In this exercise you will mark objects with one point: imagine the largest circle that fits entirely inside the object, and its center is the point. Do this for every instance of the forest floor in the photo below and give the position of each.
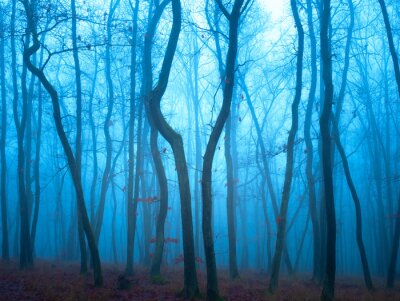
(61, 281)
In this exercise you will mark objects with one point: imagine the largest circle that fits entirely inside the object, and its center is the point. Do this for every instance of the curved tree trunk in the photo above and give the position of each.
(162, 215)
(28, 52)
(281, 236)
(175, 140)
(206, 188)
(160, 171)
(230, 198)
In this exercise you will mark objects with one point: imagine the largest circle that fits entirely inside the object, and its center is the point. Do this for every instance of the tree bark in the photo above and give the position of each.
(206, 187)
(93, 184)
(175, 140)
(396, 236)
(360, 243)
(281, 235)
(312, 198)
(107, 124)
(328, 290)
(37, 158)
(132, 111)
(160, 171)
(28, 52)
(266, 171)
(230, 202)
(5, 254)
(78, 140)
(26, 260)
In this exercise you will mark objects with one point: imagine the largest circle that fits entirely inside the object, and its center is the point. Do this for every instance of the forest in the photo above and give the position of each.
(200, 150)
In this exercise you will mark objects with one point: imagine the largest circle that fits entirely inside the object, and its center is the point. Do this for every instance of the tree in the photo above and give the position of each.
(396, 236)
(312, 198)
(131, 211)
(160, 171)
(328, 290)
(280, 240)
(78, 141)
(28, 52)
(206, 187)
(26, 258)
(175, 140)
(350, 183)
(107, 124)
(38, 145)
(3, 176)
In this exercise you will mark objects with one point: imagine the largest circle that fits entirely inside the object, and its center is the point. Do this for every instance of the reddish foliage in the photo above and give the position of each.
(171, 240)
(179, 259)
(199, 260)
(148, 199)
(61, 281)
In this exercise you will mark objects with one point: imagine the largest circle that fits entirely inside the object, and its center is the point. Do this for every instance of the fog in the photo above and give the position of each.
(209, 138)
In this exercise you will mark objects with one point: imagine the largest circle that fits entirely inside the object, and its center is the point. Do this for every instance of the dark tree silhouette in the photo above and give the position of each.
(175, 140)
(131, 211)
(28, 52)
(328, 290)
(280, 240)
(5, 253)
(396, 236)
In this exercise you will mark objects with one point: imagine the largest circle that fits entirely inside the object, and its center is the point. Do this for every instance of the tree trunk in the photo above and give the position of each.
(266, 169)
(107, 124)
(281, 235)
(160, 171)
(26, 260)
(328, 289)
(93, 184)
(37, 161)
(163, 197)
(28, 52)
(78, 141)
(360, 243)
(312, 198)
(5, 254)
(230, 202)
(131, 208)
(206, 188)
(396, 237)
(175, 140)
